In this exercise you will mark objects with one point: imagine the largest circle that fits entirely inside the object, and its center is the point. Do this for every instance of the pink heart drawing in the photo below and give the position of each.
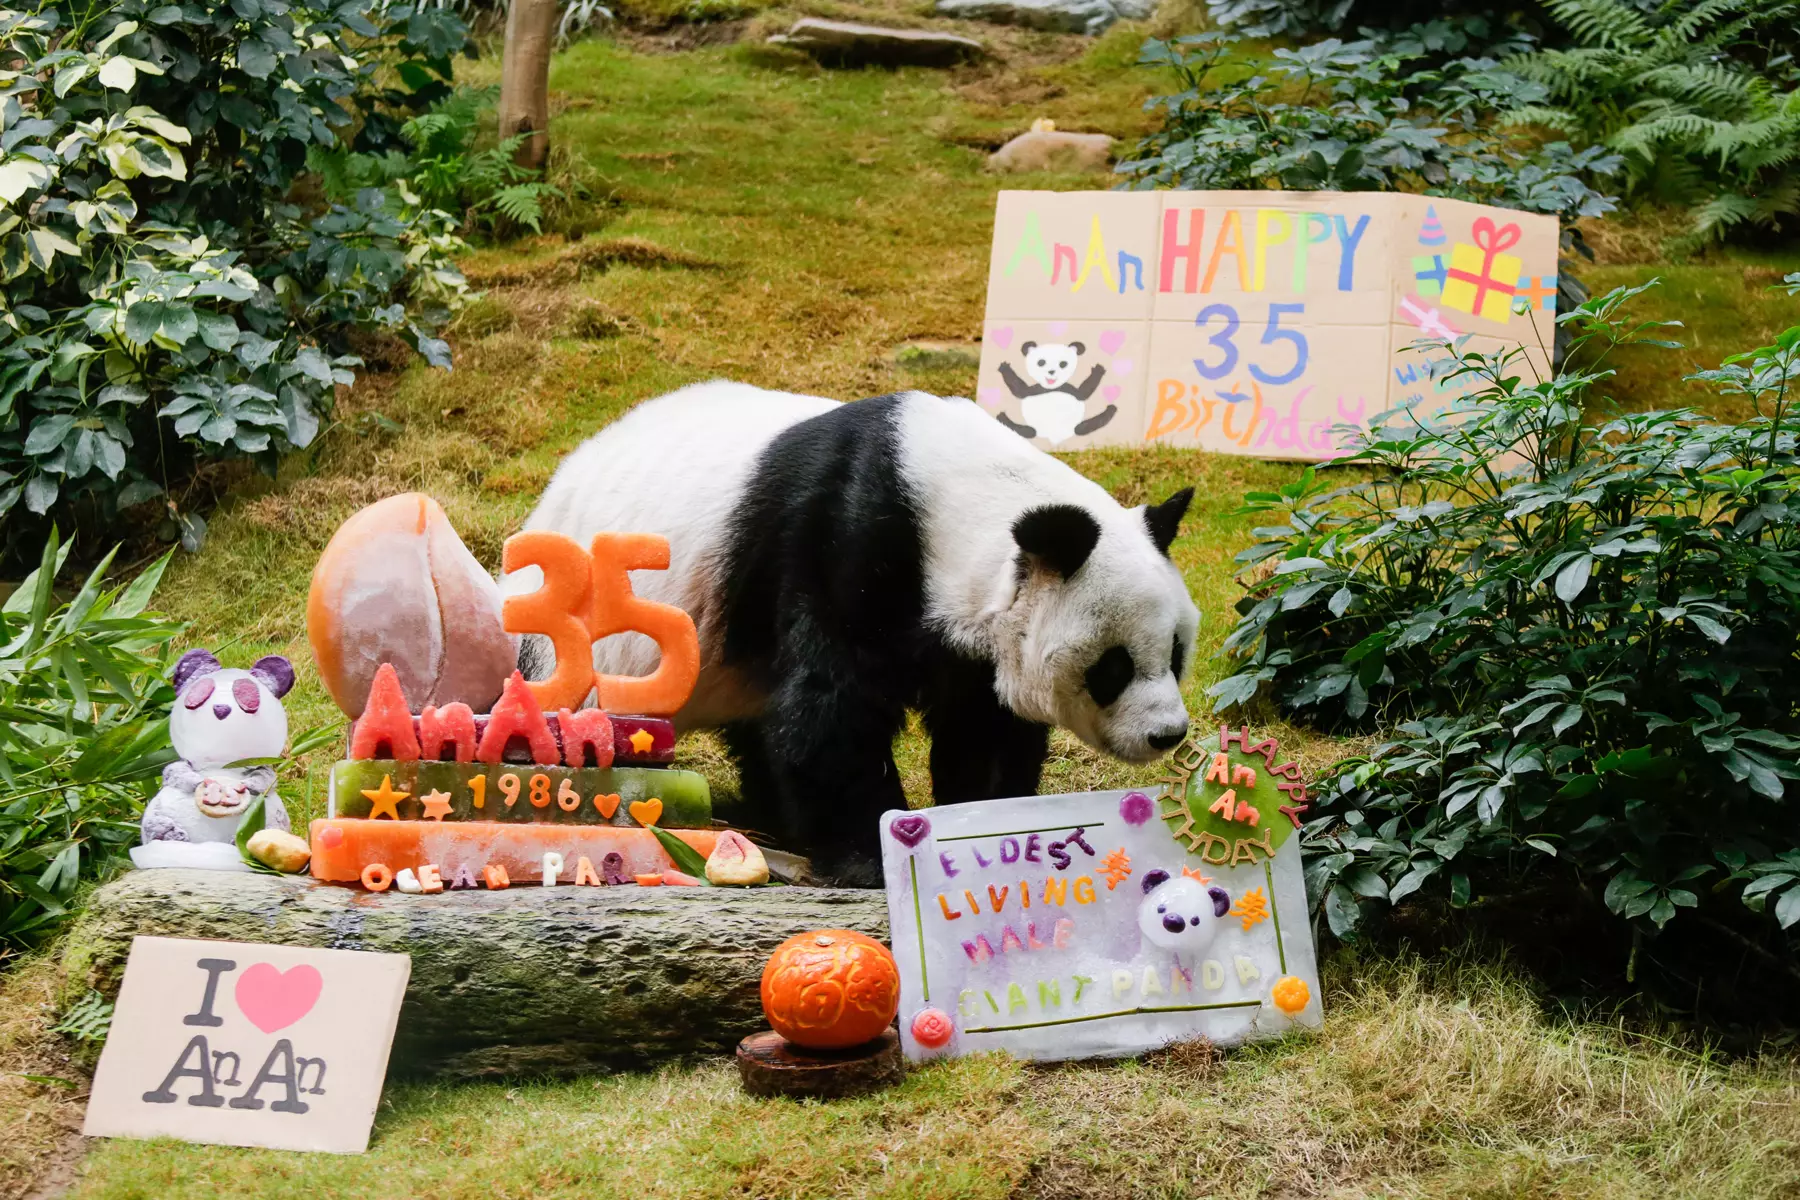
(1111, 340)
(1111, 392)
(1122, 366)
(1001, 337)
(909, 830)
(276, 999)
(1058, 328)
(990, 398)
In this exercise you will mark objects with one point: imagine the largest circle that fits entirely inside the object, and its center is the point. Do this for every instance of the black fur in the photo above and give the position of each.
(1060, 536)
(824, 608)
(1110, 675)
(1164, 520)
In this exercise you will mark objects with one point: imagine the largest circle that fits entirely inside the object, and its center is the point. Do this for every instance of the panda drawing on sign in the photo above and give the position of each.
(1053, 405)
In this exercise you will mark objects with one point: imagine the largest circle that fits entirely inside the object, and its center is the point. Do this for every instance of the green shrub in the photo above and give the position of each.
(83, 734)
(167, 295)
(1582, 637)
(1353, 116)
(443, 163)
(1700, 100)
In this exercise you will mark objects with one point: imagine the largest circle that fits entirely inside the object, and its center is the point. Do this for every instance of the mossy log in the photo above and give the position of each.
(522, 981)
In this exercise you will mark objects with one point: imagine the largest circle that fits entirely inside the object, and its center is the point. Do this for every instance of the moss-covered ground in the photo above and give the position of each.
(750, 215)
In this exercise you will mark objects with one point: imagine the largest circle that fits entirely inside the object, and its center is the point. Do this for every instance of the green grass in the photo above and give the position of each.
(755, 217)
(1441, 1080)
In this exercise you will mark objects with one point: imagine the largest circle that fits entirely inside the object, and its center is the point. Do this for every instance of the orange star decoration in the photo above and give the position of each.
(437, 804)
(641, 741)
(1252, 908)
(1116, 867)
(1196, 876)
(384, 798)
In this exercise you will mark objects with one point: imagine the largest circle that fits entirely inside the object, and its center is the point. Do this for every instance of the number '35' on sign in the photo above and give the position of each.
(1222, 324)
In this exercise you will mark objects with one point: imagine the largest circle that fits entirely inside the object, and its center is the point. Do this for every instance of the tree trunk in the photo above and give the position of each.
(530, 980)
(525, 77)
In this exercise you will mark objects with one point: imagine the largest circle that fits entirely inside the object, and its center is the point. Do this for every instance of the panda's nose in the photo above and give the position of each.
(221, 711)
(1168, 739)
(1174, 923)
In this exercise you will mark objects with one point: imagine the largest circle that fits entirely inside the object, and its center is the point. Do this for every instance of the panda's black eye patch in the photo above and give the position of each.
(1108, 677)
(1176, 658)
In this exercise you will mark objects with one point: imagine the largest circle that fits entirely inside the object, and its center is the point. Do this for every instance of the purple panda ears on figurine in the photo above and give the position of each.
(1153, 880)
(1221, 900)
(276, 673)
(192, 664)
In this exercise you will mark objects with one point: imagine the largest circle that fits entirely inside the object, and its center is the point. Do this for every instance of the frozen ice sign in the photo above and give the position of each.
(1107, 923)
(1246, 322)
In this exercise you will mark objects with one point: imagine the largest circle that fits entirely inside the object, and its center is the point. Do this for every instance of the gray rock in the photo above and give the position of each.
(1053, 150)
(523, 981)
(848, 44)
(1057, 16)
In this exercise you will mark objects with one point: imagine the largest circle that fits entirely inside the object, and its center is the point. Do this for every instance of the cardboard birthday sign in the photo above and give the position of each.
(1107, 923)
(1247, 322)
(242, 1044)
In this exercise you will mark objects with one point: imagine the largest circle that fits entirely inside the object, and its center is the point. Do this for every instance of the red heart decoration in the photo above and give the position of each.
(276, 999)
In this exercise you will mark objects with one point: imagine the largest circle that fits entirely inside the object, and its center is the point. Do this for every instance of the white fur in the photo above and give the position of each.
(677, 466)
(674, 466)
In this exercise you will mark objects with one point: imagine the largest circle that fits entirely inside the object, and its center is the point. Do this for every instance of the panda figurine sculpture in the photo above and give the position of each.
(1180, 913)
(845, 563)
(221, 716)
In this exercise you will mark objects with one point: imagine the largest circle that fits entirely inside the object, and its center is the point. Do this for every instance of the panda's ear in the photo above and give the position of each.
(1078, 348)
(194, 662)
(1026, 349)
(1164, 520)
(1221, 900)
(1153, 880)
(276, 672)
(1057, 536)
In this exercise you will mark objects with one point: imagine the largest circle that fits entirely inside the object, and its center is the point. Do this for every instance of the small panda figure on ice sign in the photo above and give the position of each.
(845, 563)
(1053, 405)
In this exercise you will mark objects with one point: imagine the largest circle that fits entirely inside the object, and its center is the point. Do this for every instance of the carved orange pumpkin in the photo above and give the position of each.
(830, 989)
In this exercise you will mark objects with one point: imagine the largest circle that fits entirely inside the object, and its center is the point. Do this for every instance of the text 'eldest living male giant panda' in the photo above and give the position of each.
(847, 562)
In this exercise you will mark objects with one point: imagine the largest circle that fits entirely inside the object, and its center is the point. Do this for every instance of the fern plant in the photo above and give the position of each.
(1701, 101)
(446, 170)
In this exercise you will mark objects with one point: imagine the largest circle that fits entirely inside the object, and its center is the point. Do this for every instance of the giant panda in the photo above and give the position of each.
(845, 563)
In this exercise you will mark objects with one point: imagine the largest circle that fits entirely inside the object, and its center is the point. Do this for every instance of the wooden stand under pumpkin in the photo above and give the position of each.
(831, 996)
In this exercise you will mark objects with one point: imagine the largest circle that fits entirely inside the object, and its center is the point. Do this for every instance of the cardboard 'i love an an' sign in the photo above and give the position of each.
(248, 1045)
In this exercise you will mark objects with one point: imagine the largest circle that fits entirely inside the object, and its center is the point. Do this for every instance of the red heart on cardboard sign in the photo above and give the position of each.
(276, 999)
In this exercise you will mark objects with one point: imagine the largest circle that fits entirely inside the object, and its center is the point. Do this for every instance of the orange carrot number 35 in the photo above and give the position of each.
(586, 596)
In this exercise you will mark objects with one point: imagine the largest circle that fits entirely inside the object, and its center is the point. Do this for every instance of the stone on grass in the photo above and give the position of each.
(1046, 148)
(849, 44)
(1056, 16)
(524, 981)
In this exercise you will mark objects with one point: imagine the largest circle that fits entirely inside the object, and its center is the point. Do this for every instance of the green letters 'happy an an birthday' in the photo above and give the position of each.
(1232, 801)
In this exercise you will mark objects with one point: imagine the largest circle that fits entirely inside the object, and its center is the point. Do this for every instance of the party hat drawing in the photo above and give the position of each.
(1432, 234)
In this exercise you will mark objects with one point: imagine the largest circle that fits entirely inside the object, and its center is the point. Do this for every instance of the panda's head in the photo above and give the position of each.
(1180, 914)
(1051, 364)
(224, 715)
(1093, 628)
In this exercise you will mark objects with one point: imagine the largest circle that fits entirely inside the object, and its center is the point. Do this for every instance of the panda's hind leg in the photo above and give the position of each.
(980, 749)
(829, 751)
(758, 805)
